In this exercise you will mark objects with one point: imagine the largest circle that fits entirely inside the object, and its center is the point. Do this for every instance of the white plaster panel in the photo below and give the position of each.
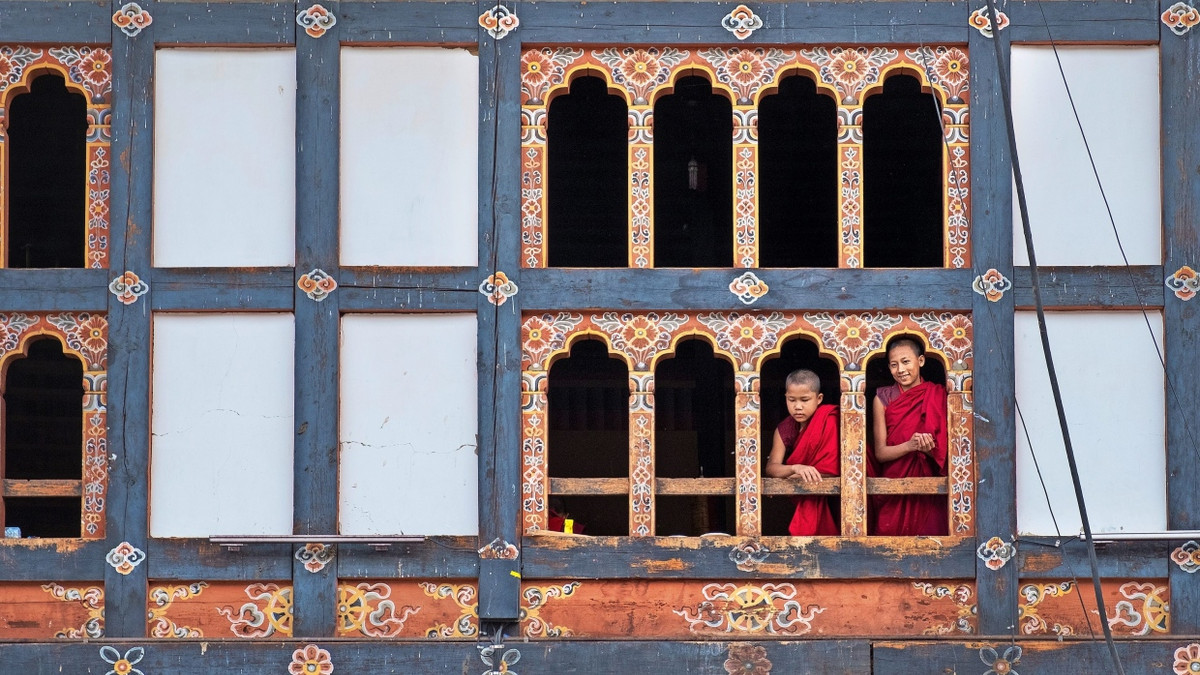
(222, 407)
(224, 157)
(1114, 396)
(409, 149)
(409, 417)
(1116, 91)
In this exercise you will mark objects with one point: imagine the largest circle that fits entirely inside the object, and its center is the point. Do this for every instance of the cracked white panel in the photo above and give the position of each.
(1116, 91)
(222, 402)
(409, 417)
(224, 157)
(409, 149)
(1114, 396)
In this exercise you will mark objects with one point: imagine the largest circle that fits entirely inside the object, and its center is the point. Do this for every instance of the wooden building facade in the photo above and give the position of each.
(363, 300)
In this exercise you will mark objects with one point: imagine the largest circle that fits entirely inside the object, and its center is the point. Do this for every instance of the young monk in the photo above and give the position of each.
(910, 442)
(805, 447)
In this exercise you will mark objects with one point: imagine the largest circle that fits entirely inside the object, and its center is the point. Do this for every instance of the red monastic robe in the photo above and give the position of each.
(816, 446)
(920, 409)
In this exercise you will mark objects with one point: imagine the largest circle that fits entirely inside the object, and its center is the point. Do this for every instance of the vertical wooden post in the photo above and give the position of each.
(641, 454)
(747, 456)
(854, 454)
(535, 483)
(850, 253)
(745, 186)
(533, 186)
(641, 190)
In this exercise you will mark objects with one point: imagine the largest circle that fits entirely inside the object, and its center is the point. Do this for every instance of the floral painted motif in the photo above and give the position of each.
(268, 614)
(535, 598)
(748, 555)
(160, 599)
(316, 20)
(91, 599)
(467, 623)
(1181, 17)
(131, 19)
(1150, 614)
(499, 666)
(748, 288)
(498, 288)
(499, 21)
(367, 610)
(950, 334)
(641, 238)
(125, 557)
(315, 556)
(769, 608)
(1187, 557)
(1029, 611)
(1187, 660)
(544, 334)
(991, 285)
(747, 659)
(13, 61)
(945, 66)
(960, 595)
(317, 284)
(88, 67)
(640, 70)
(310, 660)
(122, 664)
(745, 70)
(545, 68)
(746, 336)
(852, 336)
(982, 22)
(742, 22)
(640, 336)
(850, 70)
(1185, 283)
(128, 288)
(996, 552)
(1000, 665)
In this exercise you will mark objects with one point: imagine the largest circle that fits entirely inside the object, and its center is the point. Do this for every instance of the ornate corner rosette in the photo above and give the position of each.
(125, 557)
(317, 284)
(498, 288)
(1185, 283)
(981, 21)
(131, 19)
(498, 660)
(123, 663)
(995, 552)
(742, 22)
(310, 659)
(499, 21)
(499, 549)
(1181, 17)
(1000, 664)
(315, 557)
(316, 20)
(991, 285)
(1187, 557)
(128, 288)
(1187, 660)
(747, 658)
(748, 288)
(748, 555)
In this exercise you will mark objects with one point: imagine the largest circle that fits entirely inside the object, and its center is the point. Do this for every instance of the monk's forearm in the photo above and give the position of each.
(888, 453)
(779, 470)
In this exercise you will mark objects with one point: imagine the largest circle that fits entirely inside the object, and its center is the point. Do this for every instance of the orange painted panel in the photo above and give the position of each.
(41, 611)
(1063, 607)
(220, 609)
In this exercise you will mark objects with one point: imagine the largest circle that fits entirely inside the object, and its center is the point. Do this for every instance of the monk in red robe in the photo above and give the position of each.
(910, 442)
(809, 439)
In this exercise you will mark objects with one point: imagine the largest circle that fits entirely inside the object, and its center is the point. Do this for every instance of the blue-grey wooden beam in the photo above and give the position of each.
(995, 429)
(440, 23)
(1093, 287)
(499, 325)
(54, 290)
(1089, 22)
(221, 23)
(381, 289)
(61, 561)
(224, 289)
(681, 289)
(1036, 656)
(1067, 558)
(56, 22)
(129, 324)
(1181, 341)
(200, 560)
(709, 558)
(316, 459)
(683, 23)
(434, 558)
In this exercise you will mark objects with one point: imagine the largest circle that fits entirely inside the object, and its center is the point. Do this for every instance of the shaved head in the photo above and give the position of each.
(804, 378)
(911, 343)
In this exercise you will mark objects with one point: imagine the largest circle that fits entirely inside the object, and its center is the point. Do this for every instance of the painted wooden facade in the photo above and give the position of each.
(513, 597)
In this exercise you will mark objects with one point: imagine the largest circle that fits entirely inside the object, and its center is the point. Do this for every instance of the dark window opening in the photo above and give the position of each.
(796, 353)
(798, 177)
(693, 174)
(587, 399)
(694, 437)
(47, 181)
(43, 436)
(902, 177)
(587, 134)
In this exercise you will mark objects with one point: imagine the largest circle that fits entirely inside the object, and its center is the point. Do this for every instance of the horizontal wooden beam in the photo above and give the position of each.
(1092, 287)
(907, 486)
(434, 558)
(1067, 558)
(45, 290)
(61, 23)
(261, 289)
(589, 486)
(19, 487)
(1087, 22)
(1048, 655)
(439, 23)
(59, 560)
(210, 23)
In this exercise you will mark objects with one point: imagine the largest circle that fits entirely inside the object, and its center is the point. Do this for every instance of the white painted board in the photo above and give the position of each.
(408, 424)
(409, 156)
(221, 446)
(1114, 396)
(224, 157)
(1116, 91)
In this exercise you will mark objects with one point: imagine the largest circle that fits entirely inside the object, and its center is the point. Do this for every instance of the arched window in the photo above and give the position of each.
(796, 353)
(43, 436)
(693, 169)
(587, 400)
(47, 182)
(798, 176)
(694, 439)
(902, 177)
(587, 147)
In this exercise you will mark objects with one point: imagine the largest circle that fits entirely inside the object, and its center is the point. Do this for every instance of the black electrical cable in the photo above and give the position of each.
(1006, 96)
